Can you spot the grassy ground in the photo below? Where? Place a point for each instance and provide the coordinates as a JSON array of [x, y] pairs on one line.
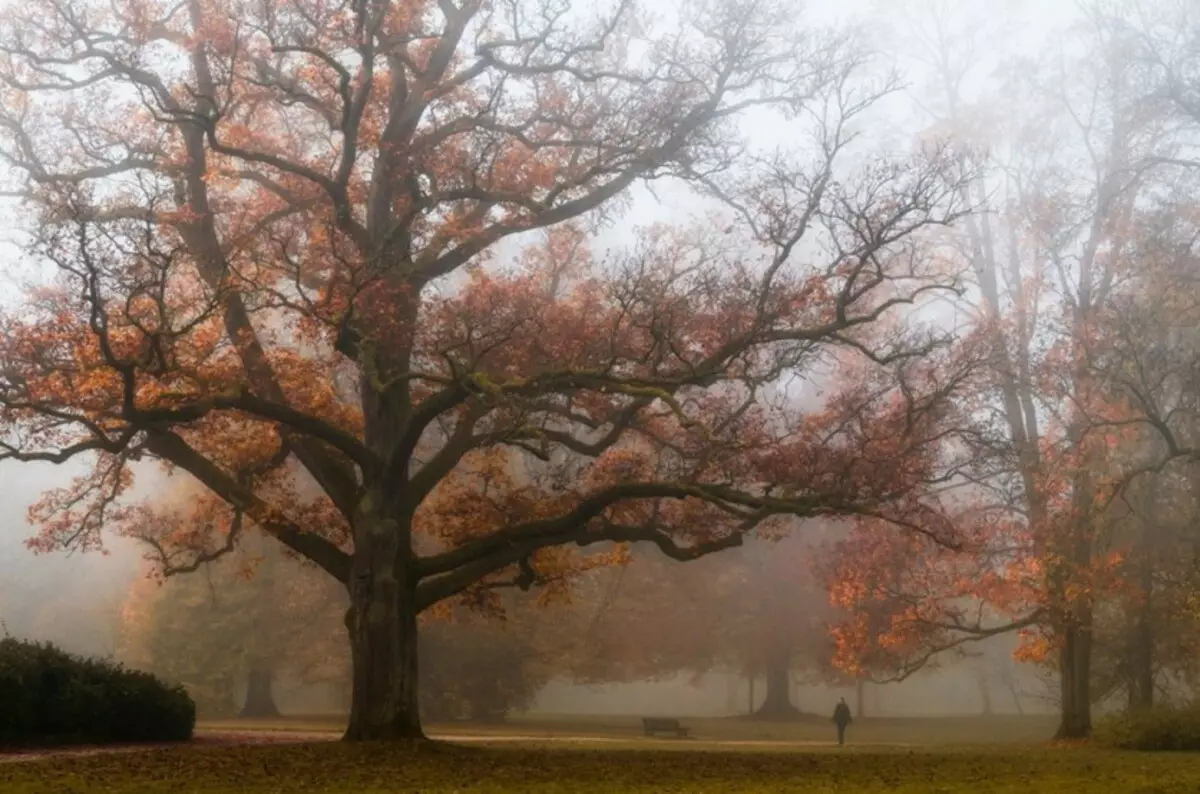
[[903, 731], [342, 769]]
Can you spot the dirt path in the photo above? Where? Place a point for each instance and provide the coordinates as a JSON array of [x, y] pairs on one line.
[[266, 737]]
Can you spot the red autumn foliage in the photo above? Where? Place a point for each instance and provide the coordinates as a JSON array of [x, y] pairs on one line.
[[278, 237]]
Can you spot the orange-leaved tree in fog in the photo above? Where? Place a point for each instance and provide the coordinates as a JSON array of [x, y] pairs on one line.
[[1074, 147], [345, 249]]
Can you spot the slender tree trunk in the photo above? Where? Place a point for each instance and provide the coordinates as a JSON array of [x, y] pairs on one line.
[[1010, 680], [1075, 660], [750, 681], [1141, 634], [1141, 647], [382, 621], [260, 679], [860, 700], [1075, 682], [1145, 670], [1076, 608], [985, 694], [260, 694]]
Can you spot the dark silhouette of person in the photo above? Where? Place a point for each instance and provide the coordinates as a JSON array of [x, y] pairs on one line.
[[841, 718]]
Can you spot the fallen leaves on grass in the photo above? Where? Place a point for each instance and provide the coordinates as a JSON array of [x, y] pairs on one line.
[[431, 768]]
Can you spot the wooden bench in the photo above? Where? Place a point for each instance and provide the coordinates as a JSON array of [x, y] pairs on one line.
[[653, 725]]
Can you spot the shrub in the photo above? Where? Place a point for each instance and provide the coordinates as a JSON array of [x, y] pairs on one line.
[[52, 697], [1162, 728]]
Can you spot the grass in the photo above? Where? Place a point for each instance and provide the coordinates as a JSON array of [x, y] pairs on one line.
[[999, 729], [443, 769], [995, 755]]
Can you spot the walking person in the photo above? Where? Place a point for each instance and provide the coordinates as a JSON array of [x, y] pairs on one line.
[[841, 718]]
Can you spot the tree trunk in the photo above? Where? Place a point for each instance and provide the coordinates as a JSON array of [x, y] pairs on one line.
[[260, 694], [383, 644], [1076, 609], [1141, 649], [860, 700], [985, 694], [1010, 680], [1141, 635], [1075, 681], [382, 621], [778, 702]]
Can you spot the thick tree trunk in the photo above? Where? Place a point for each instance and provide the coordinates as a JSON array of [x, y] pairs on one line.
[[383, 643], [260, 694], [778, 702], [382, 621]]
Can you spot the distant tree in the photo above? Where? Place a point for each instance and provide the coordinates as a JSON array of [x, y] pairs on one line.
[[642, 620], [1072, 147], [771, 617], [757, 611], [238, 625]]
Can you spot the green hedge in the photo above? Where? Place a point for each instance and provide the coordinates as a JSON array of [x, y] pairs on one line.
[[1163, 728], [48, 696]]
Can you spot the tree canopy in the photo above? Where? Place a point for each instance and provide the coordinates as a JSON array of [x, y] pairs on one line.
[[282, 242]]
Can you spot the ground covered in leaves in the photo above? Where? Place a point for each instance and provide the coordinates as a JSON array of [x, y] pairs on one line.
[[915, 731], [441, 769]]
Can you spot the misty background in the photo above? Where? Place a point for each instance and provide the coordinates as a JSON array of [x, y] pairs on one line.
[[83, 601]]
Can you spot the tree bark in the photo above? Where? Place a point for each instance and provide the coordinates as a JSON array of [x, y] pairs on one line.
[[383, 644], [1075, 682], [382, 622], [1075, 610], [260, 694], [778, 702]]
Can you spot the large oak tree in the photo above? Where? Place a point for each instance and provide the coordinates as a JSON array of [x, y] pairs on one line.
[[295, 250]]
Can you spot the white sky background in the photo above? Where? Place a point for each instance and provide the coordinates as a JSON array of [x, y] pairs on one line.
[[894, 125]]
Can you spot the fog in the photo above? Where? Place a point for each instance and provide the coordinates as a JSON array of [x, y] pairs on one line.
[[1000, 78]]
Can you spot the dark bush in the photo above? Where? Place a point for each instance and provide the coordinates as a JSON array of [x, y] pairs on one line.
[[48, 696], [1163, 728]]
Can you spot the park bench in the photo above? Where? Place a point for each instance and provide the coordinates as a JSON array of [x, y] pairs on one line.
[[653, 725]]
